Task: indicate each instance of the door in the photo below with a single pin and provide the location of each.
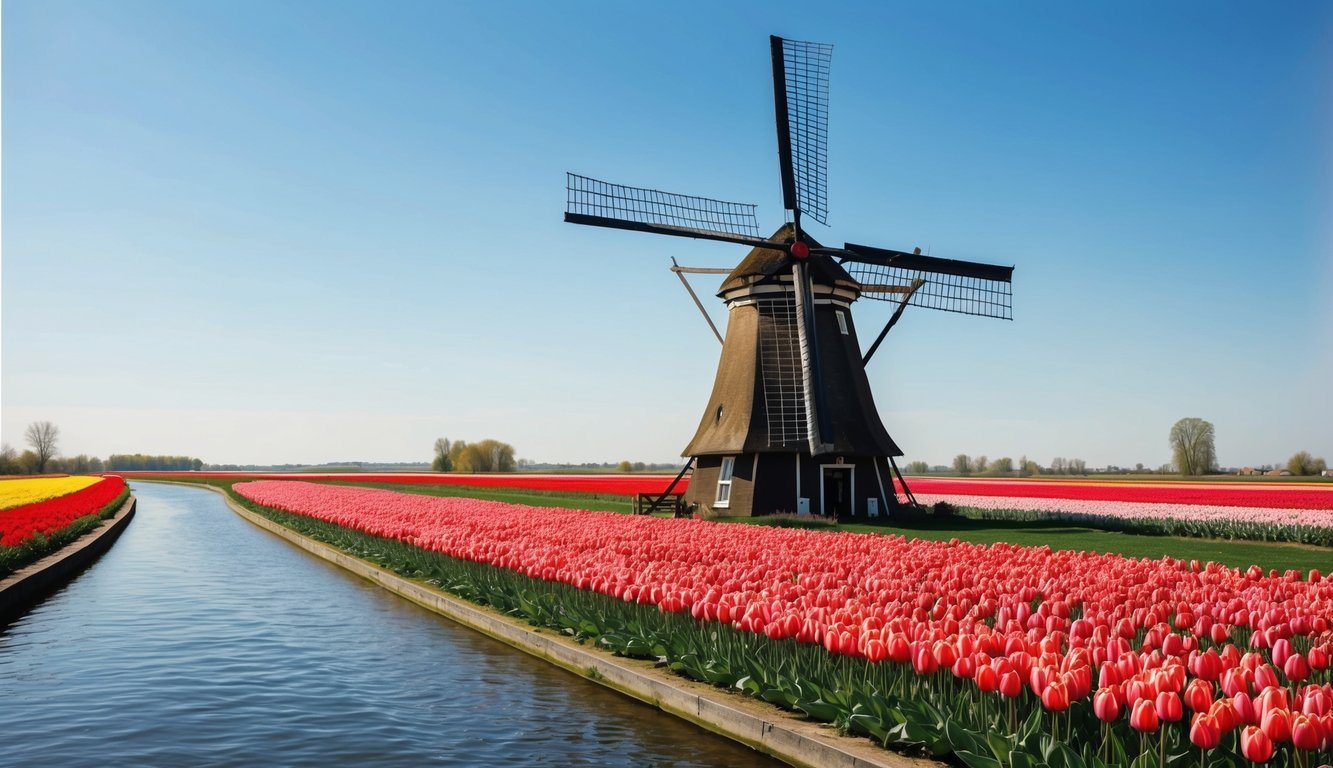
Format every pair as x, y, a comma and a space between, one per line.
836, 491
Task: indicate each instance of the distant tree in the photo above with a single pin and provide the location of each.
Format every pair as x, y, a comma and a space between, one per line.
980, 464
1078, 467
917, 468
1058, 466
119, 462
27, 463
1002, 466
1138, 467
77, 465
962, 464
9, 460
42, 436
442, 462
95, 465
639, 466
1192, 447
625, 466
1031, 468
1023, 466
1302, 463
483, 456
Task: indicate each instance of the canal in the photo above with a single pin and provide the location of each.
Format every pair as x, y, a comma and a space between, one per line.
201, 640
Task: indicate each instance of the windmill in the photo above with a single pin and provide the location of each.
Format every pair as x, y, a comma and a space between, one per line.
791, 424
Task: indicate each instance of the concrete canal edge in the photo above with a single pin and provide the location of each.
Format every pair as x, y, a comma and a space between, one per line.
763, 727
28, 585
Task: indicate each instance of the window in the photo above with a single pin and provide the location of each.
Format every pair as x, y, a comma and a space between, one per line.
724, 482
842, 322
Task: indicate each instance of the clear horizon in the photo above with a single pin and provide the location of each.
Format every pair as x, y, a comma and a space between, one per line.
255, 234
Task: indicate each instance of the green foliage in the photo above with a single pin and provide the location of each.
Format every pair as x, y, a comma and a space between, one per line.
625, 466
1192, 446
1302, 463
482, 456
1002, 467
917, 468
962, 464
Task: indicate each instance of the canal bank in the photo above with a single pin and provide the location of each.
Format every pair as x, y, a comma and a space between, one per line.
25, 587
785, 736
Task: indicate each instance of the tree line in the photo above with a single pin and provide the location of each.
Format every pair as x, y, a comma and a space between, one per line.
40, 457
1193, 452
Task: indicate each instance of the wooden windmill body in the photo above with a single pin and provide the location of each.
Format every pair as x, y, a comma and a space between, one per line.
791, 425
751, 452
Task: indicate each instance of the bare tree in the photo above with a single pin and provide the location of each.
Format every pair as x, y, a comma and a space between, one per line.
1192, 446
42, 436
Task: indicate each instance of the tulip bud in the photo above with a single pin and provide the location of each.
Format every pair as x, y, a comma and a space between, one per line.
987, 679
1254, 745
1106, 705
1055, 696
1144, 716
1204, 731
1199, 695
1168, 706
1276, 725
1305, 733
1010, 685
1295, 668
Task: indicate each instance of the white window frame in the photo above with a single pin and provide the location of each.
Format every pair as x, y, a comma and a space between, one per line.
724, 473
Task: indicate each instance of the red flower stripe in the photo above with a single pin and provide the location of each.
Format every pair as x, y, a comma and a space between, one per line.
51, 515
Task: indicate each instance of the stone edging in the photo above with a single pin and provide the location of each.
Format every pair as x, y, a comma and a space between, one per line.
763, 727
26, 587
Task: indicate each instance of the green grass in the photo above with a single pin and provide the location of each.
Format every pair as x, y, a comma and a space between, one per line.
1057, 535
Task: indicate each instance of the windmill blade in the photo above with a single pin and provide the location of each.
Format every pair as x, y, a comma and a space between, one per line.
602, 204
966, 287
800, 104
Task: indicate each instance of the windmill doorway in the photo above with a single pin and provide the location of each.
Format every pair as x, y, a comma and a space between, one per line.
835, 490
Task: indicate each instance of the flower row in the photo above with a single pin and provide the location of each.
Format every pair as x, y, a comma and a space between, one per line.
18, 491
45, 517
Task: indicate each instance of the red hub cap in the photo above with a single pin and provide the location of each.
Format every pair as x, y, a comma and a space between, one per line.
800, 250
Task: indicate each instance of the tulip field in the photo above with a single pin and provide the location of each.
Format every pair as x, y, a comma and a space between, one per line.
1258, 511
39, 515
998, 655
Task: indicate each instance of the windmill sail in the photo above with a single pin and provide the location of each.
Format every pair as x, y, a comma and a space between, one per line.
603, 204
800, 98
966, 287
780, 371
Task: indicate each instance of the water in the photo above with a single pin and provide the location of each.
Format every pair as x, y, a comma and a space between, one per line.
200, 640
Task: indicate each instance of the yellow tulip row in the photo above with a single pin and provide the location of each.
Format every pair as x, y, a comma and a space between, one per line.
22, 491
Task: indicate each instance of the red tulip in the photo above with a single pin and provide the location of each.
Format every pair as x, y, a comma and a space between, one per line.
1199, 695
988, 680
1295, 668
1224, 714
1055, 697
1204, 731
1254, 745
1276, 725
1305, 732
1168, 706
1010, 685
1280, 652
1144, 716
1317, 658
1106, 705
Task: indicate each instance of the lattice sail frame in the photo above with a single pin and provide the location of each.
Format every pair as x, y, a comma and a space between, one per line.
802, 104
603, 200
966, 294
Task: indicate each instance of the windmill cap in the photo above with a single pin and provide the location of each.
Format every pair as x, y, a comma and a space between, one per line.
770, 264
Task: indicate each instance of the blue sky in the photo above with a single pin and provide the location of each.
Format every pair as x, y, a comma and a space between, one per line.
304, 232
